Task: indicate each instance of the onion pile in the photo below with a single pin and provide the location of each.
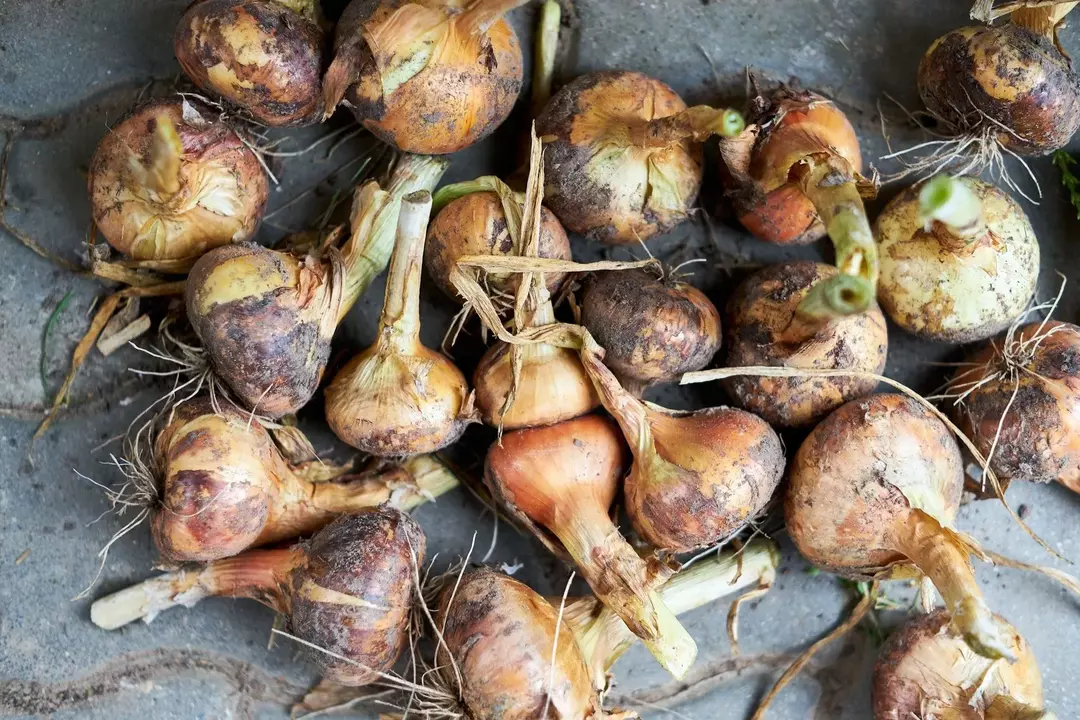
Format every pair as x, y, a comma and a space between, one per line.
348, 590
431, 77
167, 184
623, 160
266, 317
959, 260
399, 397
261, 56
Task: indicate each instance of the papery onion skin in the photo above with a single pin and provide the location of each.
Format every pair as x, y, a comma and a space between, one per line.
591, 193
1039, 438
941, 291
258, 55
652, 329
220, 197
475, 225
501, 635
758, 317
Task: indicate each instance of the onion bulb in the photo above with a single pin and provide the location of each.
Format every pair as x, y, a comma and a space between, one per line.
926, 670
348, 590
874, 490
427, 77
766, 326
398, 397
266, 317
959, 260
560, 481
261, 56
166, 184
1020, 402
623, 160
652, 328
225, 486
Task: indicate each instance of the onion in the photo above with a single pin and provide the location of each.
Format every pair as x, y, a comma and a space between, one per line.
225, 487
959, 260
1020, 402
874, 490
348, 590
560, 481
166, 184
398, 397
653, 329
261, 56
431, 77
266, 317
766, 325
926, 670
623, 161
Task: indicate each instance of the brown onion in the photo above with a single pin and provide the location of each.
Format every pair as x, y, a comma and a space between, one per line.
348, 590
166, 184
431, 77
874, 489
262, 56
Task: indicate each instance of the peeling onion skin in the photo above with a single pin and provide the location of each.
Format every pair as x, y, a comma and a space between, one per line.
926, 669
652, 330
757, 317
1007, 73
221, 193
501, 634
591, 196
257, 55
475, 225
1040, 436
956, 294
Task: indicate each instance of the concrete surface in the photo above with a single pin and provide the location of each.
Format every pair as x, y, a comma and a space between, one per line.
68, 69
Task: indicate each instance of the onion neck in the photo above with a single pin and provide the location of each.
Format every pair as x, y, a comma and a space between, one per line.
399, 324
1042, 20
697, 123
630, 413
478, 18
547, 44
414, 482
952, 213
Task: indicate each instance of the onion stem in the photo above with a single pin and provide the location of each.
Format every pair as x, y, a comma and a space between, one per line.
478, 18
399, 324
953, 210
698, 123
1042, 20
418, 480
547, 44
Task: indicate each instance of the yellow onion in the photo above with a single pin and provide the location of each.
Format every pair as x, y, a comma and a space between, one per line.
426, 77
266, 317
959, 259
766, 326
623, 157
222, 486
398, 397
168, 183
874, 491
927, 670
261, 56
348, 590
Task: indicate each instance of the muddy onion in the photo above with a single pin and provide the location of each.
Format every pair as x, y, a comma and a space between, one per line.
560, 481
623, 160
399, 397
1022, 399
926, 670
166, 184
959, 259
225, 486
764, 327
348, 590
262, 56
266, 317
426, 77
875, 488
653, 329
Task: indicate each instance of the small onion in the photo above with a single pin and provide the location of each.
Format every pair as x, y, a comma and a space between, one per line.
348, 590
429, 77
959, 259
262, 56
166, 184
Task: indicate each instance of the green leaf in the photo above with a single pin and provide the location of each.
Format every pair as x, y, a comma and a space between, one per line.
1064, 161
53, 317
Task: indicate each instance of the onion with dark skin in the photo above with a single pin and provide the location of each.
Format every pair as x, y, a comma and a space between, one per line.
348, 590
891, 476
168, 183
263, 57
